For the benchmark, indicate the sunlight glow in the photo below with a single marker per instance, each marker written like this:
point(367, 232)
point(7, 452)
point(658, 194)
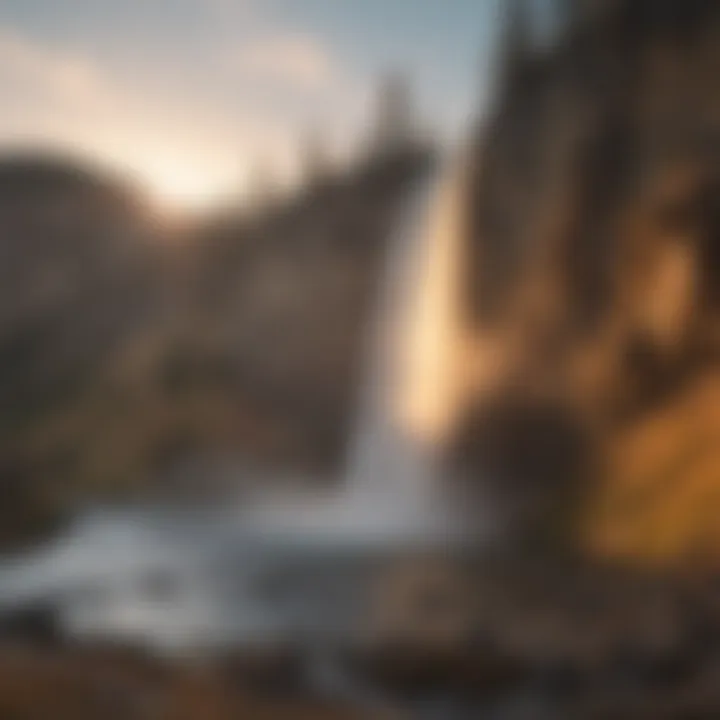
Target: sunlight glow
point(184, 187)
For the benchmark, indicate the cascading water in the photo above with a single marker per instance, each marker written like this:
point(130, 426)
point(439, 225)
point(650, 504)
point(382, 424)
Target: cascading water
point(405, 402)
point(383, 464)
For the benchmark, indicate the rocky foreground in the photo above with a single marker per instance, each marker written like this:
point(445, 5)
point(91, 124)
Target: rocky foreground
point(99, 685)
point(546, 642)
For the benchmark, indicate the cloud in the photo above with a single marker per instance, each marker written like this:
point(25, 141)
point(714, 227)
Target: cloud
point(29, 66)
point(298, 77)
point(294, 60)
point(183, 139)
point(177, 144)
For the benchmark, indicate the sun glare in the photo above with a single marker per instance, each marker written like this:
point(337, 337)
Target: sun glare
point(187, 190)
point(181, 186)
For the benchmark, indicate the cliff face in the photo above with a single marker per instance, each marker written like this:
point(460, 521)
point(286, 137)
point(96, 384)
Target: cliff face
point(593, 274)
point(76, 269)
point(70, 241)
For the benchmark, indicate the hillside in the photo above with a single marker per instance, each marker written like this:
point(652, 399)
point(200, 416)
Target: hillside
point(139, 357)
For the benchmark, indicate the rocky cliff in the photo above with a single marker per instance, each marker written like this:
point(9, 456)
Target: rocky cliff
point(593, 274)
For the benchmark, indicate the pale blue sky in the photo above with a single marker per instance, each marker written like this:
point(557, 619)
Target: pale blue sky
point(190, 94)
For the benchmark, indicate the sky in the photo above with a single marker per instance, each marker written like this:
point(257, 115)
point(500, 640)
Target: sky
point(193, 97)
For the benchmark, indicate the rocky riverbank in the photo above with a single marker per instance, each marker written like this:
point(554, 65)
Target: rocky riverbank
point(547, 642)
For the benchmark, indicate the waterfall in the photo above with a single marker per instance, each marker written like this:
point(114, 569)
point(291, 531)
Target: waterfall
point(381, 458)
point(407, 397)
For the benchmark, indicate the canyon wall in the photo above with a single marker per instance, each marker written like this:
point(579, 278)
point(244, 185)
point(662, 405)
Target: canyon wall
point(591, 283)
